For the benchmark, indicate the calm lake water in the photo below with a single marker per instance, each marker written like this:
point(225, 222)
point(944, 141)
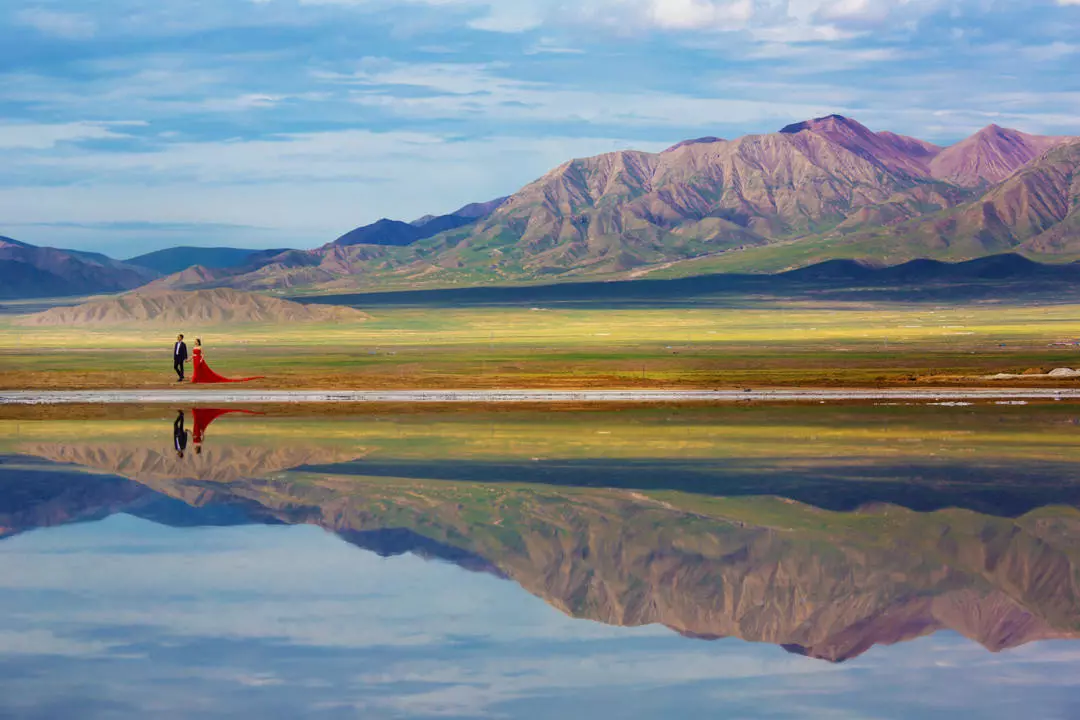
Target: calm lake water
point(820, 561)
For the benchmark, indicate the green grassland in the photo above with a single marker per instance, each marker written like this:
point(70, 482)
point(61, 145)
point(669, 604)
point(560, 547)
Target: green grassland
point(879, 248)
point(783, 435)
point(749, 343)
point(1000, 459)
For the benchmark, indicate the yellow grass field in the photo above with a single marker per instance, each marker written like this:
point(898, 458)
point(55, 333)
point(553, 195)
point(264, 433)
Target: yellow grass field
point(808, 434)
point(795, 343)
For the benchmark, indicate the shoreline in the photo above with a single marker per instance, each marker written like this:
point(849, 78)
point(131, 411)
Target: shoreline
point(362, 397)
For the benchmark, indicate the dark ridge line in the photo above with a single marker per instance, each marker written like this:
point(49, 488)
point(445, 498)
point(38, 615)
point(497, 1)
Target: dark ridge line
point(851, 275)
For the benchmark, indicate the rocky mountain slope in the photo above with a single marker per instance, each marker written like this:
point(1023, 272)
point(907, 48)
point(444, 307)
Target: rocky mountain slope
point(816, 190)
point(990, 156)
point(1035, 211)
point(894, 153)
point(179, 308)
point(28, 271)
point(191, 277)
point(217, 462)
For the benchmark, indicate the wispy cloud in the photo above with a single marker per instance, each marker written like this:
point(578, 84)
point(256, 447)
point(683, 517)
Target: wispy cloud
point(29, 136)
point(66, 25)
point(292, 621)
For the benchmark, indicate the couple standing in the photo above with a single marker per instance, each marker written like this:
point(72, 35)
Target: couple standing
point(202, 372)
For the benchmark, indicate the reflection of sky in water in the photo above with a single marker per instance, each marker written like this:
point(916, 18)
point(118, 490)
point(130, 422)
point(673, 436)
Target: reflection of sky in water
point(126, 618)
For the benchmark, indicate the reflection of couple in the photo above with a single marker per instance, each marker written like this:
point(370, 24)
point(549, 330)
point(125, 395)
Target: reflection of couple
point(180, 433)
point(202, 373)
point(202, 418)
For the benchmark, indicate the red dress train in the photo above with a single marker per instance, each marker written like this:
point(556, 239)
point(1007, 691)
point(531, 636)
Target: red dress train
point(204, 375)
point(204, 416)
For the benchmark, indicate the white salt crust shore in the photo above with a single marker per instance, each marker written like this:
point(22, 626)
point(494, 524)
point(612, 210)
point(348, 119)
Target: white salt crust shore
point(234, 397)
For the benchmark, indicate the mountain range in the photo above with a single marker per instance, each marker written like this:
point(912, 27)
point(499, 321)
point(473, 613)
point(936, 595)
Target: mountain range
point(28, 271)
point(178, 259)
point(818, 190)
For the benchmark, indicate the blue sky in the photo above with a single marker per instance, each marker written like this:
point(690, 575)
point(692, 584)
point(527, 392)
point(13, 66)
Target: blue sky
point(126, 126)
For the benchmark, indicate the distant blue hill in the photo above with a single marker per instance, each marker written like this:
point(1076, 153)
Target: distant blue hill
point(177, 259)
point(28, 271)
point(394, 233)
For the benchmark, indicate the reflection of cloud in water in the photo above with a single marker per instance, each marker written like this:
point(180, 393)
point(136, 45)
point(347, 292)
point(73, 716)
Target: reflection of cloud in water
point(284, 622)
point(828, 585)
point(47, 642)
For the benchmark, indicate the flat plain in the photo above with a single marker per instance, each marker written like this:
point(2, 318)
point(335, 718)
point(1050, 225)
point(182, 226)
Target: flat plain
point(751, 342)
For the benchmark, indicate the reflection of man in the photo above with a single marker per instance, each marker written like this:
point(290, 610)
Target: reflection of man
point(180, 435)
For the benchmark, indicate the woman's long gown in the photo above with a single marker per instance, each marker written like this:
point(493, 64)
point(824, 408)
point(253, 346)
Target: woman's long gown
point(203, 373)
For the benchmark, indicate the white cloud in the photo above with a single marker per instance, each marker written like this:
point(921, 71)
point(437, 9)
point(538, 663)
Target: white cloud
point(451, 78)
point(492, 15)
point(509, 18)
point(780, 20)
point(475, 688)
point(700, 14)
point(552, 46)
point(47, 642)
point(43, 137)
point(859, 10)
point(70, 26)
point(459, 91)
point(1051, 52)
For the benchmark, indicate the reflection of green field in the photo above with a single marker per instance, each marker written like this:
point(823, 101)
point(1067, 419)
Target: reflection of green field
point(779, 435)
point(758, 343)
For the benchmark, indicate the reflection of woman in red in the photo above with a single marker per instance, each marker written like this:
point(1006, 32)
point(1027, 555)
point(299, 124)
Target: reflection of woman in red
point(203, 418)
point(203, 373)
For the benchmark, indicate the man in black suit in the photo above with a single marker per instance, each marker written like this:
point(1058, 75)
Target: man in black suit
point(180, 435)
point(179, 357)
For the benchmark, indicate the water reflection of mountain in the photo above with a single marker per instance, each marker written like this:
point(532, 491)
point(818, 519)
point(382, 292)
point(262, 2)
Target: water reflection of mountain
point(217, 463)
point(842, 484)
point(826, 584)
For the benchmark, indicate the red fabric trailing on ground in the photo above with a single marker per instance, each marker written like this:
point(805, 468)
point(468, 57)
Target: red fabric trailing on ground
point(203, 375)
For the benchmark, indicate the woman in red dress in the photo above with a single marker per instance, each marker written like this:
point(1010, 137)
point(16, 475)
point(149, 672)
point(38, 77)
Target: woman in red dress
point(203, 373)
